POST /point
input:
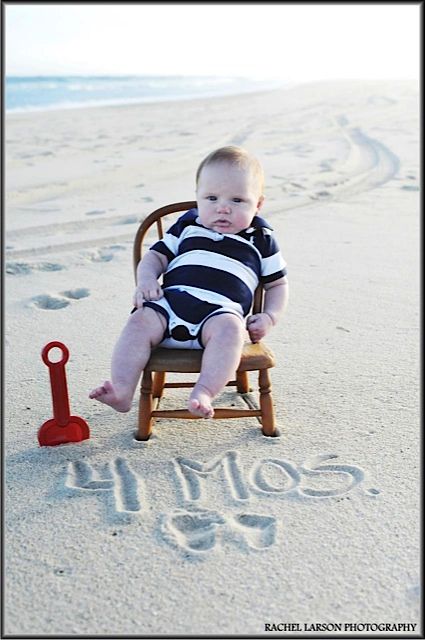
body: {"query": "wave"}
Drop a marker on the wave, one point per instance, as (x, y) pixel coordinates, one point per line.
(38, 93)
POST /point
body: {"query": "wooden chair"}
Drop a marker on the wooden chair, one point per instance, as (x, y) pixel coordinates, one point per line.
(255, 357)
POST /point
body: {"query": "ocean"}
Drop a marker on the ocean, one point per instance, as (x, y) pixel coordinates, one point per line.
(39, 93)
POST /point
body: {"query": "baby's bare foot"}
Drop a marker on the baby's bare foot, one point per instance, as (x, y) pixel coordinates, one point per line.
(110, 396)
(200, 403)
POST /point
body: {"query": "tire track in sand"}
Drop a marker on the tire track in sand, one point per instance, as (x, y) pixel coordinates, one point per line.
(369, 164)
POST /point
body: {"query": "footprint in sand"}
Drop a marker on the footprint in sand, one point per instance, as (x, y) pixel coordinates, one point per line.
(24, 268)
(128, 220)
(320, 195)
(258, 532)
(99, 255)
(410, 187)
(381, 101)
(49, 266)
(193, 531)
(95, 212)
(76, 294)
(196, 530)
(103, 254)
(117, 247)
(18, 268)
(49, 302)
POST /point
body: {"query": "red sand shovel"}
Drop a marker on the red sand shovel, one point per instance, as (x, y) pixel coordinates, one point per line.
(63, 427)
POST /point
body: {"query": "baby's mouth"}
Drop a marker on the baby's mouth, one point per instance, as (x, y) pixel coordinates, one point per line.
(222, 223)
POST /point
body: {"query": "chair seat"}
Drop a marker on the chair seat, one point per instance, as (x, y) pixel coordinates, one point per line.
(254, 357)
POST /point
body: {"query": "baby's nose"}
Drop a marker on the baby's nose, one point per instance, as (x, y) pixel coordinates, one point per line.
(223, 207)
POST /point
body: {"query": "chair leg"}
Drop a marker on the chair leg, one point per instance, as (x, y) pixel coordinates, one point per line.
(242, 382)
(266, 404)
(145, 408)
(158, 384)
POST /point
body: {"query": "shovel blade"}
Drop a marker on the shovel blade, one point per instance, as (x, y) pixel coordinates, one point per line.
(52, 434)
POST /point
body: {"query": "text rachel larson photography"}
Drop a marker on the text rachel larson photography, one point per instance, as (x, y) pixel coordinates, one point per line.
(355, 627)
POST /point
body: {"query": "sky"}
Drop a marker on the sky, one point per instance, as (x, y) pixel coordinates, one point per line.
(293, 42)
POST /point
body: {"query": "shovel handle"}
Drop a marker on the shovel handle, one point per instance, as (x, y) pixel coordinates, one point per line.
(58, 382)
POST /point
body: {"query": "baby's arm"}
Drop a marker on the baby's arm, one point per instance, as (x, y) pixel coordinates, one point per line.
(152, 265)
(276, 296)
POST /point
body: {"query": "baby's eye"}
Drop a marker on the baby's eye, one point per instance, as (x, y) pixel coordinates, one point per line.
(212, 198)
(237, 200)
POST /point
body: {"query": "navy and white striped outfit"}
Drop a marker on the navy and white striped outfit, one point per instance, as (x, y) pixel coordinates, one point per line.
(210, 273)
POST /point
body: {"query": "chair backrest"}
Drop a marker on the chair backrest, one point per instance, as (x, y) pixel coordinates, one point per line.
(156, 218)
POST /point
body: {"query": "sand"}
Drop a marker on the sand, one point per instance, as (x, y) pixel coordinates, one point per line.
(210, 527)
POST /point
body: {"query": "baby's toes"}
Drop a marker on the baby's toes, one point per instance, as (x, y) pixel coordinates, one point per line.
(99, 391)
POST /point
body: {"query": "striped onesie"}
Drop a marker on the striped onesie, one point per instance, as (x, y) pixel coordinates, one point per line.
(210, 273)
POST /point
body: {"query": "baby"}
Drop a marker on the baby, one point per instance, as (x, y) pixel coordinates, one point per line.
(211, 259)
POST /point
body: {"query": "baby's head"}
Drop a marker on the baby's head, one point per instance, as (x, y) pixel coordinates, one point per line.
(236, 157)
(229, 189)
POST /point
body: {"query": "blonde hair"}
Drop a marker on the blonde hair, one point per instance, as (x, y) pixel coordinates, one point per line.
(236, 156)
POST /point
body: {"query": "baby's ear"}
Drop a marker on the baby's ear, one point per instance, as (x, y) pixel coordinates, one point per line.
(260, 203)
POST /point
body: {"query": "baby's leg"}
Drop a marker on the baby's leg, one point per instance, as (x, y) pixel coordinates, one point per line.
(223, 336)
(144, 330)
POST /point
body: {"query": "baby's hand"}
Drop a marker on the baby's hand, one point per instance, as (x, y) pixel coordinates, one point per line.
(258, 325)
(148, 290)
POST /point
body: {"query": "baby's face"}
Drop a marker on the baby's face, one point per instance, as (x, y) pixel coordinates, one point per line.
(228, 197)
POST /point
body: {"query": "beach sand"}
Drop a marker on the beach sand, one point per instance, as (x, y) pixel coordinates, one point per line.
(210, 527)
